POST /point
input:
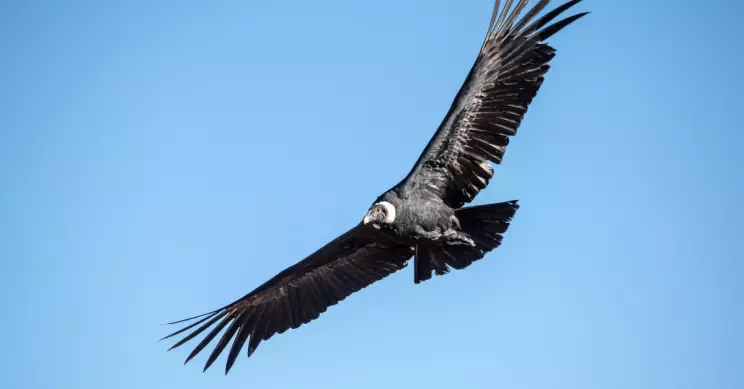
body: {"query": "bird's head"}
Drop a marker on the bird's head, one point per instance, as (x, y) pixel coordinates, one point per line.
(380, 213)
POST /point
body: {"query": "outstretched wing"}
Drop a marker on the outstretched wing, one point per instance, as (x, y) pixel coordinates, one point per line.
(298, 294)
(490, 105)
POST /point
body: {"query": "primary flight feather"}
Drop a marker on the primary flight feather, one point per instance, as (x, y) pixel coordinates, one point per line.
(422, 216)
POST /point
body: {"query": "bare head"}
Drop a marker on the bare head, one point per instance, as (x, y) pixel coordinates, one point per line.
(380, 213)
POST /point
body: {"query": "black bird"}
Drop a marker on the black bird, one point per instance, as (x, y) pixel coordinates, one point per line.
(422, 216)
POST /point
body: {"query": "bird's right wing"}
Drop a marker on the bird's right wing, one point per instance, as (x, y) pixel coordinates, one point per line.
(298, 294)
(490, 105)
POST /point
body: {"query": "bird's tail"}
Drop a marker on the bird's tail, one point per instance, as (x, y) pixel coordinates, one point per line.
(485, 224)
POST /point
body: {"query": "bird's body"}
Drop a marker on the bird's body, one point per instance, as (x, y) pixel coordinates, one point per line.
(420, 219)
(424, 216)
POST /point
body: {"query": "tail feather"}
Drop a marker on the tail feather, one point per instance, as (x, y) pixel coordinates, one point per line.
(485, 224)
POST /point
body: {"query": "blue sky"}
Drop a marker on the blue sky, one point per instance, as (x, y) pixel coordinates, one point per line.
(159, 159)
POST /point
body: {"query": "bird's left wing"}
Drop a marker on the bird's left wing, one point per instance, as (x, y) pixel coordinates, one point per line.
(490, 105)
(298, 294)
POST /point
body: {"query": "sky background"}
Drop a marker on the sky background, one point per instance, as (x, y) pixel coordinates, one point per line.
(159, 159)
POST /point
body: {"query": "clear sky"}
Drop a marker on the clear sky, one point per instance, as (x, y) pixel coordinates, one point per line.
(159, 159)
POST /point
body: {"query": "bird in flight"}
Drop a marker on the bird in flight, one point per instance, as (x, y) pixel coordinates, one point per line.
(422, 216)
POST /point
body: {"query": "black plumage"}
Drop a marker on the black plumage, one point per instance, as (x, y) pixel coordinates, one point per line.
(422, 216)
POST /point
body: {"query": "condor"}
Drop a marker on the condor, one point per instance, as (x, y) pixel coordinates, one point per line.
(422, 216)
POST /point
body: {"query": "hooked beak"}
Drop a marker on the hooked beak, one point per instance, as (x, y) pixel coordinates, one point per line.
(368, 219)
